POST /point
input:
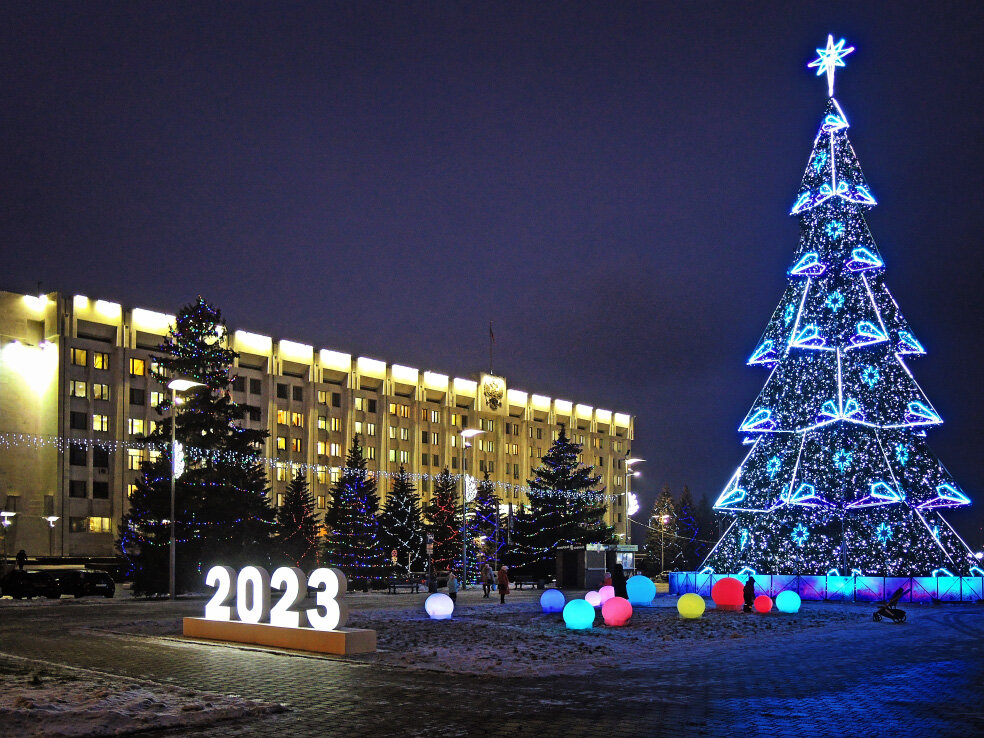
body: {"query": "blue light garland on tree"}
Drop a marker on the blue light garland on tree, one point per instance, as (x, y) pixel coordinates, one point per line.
(839, 476)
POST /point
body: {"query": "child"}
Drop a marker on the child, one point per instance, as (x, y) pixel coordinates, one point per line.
(452, 587)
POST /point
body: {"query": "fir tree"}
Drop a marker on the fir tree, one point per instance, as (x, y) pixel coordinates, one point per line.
(401, 528)
(708, 530)
(222, 512)
(296, 534)
(688, 528)
(839, 476)
(565, 505)
(486, 525)
(662, 545)
(352, 543)
(444, 522)
(519, 553)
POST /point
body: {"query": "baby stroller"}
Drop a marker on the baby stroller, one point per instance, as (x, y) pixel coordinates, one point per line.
(890, 609)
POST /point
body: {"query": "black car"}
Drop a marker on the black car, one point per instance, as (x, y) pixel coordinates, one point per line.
(84, 582)
(18, 584)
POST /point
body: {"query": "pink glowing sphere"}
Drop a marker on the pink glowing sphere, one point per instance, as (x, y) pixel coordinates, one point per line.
(616, 611)
(606, 594)
(763, 603)
(593, 598)
(728, 594)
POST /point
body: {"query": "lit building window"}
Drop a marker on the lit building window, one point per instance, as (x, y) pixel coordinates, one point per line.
(100, 360)
(156, 398)
(321, 502)
(322, 422)
(370, 452)
(392, 454)
(297, 420)
(280, 499)
(336, 424)
(320, 474)
(296, 444)
(100, 525)
(131, 490)
(136, 426)
(100, 392)
(138, 367)
(79, 356)
(133, 458)
(336, 449)
(335, 475)
(404, 457)
(282, 416)
(76, 388)
(322, 447)
(100, 423)
(281, 443)
(281, 472)
(322, 397)
(370, 429)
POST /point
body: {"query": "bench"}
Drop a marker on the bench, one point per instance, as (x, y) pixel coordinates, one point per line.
(521, 582)
(411, 585)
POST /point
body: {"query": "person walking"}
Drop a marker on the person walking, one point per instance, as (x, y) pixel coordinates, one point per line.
(618, 582)
(749, 592)
(486, 580)
(21, 559)
(503, 583)
(452, 587)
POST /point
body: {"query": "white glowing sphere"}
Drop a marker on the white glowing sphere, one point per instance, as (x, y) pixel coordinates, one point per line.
(606, 593)
(593, 598)
(439, 606)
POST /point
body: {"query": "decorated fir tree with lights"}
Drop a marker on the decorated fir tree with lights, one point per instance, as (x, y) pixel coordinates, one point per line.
(839, 477)
(296, 536)
(400, 525)
(352, 543)
(485, 525)
(444, 522)
(222, 512)
(565, 506)
(662, 546)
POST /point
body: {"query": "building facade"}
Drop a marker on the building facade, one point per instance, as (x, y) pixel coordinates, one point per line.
(77, 395)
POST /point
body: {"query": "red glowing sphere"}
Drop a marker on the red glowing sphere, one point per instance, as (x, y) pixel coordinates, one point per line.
(763, 603)
(728, 594)
(616, 611)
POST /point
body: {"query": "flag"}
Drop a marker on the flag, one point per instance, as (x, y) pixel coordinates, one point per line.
(491, 334)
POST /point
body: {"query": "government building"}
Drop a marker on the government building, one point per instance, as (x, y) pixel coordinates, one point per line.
(77, 396)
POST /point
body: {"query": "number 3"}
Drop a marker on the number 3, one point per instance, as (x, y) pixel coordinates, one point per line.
(336, 613)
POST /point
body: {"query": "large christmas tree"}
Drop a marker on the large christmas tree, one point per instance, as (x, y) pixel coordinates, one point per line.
(400, 525)
(839, 477)
(221, 509)
(444, 522)
(296, 536)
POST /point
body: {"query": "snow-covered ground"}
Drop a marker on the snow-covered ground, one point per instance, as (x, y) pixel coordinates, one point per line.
(61, 701)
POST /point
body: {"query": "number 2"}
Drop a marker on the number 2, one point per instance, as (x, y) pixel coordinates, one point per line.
(287, 612)
(218, 608)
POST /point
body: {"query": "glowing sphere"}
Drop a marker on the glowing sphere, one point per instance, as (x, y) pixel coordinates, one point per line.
(552, 600)
(439, 606)
(728, 594)
(616, 611)
(579, 615)
(593, 599)
(788, 601)
(606, 593)
(641, 590)
(691, 605)
(763, 603)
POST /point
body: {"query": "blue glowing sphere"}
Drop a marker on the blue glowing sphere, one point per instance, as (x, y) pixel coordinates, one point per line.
(552, 600)
(579, 615)
(788, 601)
(641, 590)
(439, 606)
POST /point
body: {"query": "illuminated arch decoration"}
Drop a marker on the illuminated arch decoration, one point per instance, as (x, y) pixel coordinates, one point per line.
(862, 259)
(837, 430)
(809, 265)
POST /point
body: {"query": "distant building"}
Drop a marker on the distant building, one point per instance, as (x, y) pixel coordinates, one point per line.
(76, 396)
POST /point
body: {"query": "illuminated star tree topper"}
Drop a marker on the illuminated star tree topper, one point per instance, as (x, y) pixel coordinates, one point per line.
(830, 58)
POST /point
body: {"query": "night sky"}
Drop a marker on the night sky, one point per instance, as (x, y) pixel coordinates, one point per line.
(609, 183)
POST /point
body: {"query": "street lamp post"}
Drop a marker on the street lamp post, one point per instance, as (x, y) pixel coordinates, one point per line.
(51, 526)
(663, 522)
(465, 435)
(625, 502)
(178, 384)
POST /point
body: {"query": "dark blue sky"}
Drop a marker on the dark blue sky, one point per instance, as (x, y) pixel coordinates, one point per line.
(608, 182)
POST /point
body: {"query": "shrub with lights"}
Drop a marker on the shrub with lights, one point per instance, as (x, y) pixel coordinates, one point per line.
(839, 477)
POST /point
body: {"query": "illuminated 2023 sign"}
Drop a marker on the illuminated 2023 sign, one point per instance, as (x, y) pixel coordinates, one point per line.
(250, 590)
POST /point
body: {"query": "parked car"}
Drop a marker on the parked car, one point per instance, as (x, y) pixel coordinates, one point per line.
(84, 582)
(19, 583)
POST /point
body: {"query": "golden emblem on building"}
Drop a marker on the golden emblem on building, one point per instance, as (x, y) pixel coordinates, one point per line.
(493, 393)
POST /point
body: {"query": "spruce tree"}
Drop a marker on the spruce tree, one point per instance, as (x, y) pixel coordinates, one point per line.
(662, 541)
(444, 522)
(222, 512)
(565, 506)
(352, 543)
(296, 536)
(688, 528)
(486, 525)
(401, 528)
(519, 553)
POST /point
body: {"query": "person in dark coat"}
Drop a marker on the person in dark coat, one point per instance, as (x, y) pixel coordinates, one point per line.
(618, 582)
(21, 559)
(503, 580)
(749, 592)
